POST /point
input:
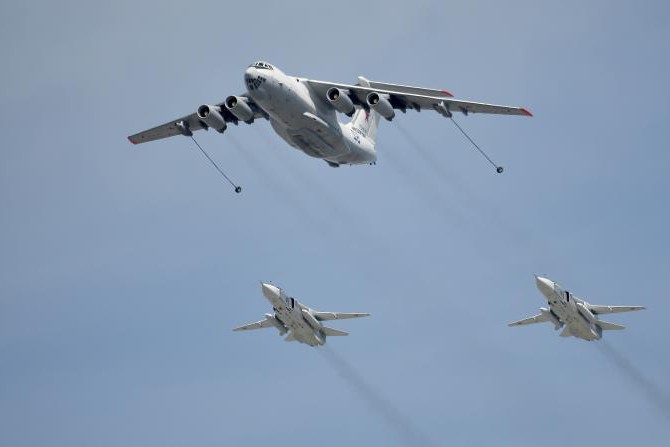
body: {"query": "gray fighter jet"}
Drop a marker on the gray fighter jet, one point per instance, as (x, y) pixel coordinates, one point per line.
(299, 321)
(579, 317)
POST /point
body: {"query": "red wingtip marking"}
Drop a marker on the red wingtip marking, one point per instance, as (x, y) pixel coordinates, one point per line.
(446, 93)
(526, 112)
(131, 140)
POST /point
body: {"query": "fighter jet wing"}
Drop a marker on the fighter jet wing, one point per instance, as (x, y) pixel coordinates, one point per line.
(531, 320)
(191, 123)
(404, 97)
(324, 316)
(257, 325)
(598, 309)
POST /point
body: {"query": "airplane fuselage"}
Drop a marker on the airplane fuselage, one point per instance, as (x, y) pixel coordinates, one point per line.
(291, 315)
(570, 311)
(305, 120)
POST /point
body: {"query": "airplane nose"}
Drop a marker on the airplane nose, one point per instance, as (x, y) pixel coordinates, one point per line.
(545, 285)
(270, 291)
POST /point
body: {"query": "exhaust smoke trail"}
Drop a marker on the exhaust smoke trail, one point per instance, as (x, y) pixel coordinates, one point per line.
(274, 184)
(490, 211)
(396, 420)
(652, 391)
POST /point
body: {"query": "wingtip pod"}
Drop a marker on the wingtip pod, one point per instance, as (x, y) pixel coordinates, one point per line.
(446, 93)
(525, 111)
(131, 140)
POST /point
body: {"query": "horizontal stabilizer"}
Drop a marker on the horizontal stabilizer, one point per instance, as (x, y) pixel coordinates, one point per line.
(329, 331)
(607, 326)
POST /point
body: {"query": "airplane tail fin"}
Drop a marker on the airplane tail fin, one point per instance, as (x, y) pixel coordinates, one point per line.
(330, 332)
(607, 326)
(366, 121)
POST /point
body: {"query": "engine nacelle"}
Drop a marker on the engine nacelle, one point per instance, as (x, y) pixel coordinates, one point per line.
(238, 106)
(587, 313)
(340, 100)
(276, 323)
(211, 115)
(311, 320)
(380, 104)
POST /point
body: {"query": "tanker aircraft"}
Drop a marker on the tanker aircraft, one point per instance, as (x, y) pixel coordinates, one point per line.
(579, 317)
(303, 112)
(299, 321)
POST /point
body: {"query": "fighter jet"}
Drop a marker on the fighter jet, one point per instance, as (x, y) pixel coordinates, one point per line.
(299, 321)
(579, 317)
(303, 112)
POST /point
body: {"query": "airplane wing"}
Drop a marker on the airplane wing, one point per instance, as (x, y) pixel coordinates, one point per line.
(531, 320)
(324, 316)
(417, 98)
(257, 325)
(597, 309)
(190, 123)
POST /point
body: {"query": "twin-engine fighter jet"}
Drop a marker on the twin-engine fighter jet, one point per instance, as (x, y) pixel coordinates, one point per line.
(579, 317)
(303, 112)
(299, 321)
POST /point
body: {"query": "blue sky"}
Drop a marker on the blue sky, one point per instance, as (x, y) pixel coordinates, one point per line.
(123, 268)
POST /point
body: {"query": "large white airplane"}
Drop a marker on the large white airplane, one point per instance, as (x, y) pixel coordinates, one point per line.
(304, 112)
(579, 317)
(299, 321)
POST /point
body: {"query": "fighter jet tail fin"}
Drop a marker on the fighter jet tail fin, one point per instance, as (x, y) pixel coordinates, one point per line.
(607, 326)
(330, 332)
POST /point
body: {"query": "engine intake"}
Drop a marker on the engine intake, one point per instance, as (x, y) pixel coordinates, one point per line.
(380, 104)
(238, 106)
(211, 115)
(340, 100)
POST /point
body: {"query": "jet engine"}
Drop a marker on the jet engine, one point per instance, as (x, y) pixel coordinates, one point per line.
(586, 313)
(211, 115)
(238, 106)
(380, 104)
(311, 320)
(340, 100)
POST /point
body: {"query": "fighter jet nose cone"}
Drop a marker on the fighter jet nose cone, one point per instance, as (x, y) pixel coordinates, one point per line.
(270, 291)
(544, 284)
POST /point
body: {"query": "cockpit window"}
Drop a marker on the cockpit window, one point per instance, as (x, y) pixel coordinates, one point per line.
(262, 65)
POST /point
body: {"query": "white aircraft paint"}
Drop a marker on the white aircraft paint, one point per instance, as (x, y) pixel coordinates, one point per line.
(303, 112)
(297, 320)
(579, 317)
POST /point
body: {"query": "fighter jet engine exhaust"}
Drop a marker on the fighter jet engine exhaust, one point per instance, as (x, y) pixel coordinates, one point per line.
(397, 421)
(651, 390)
